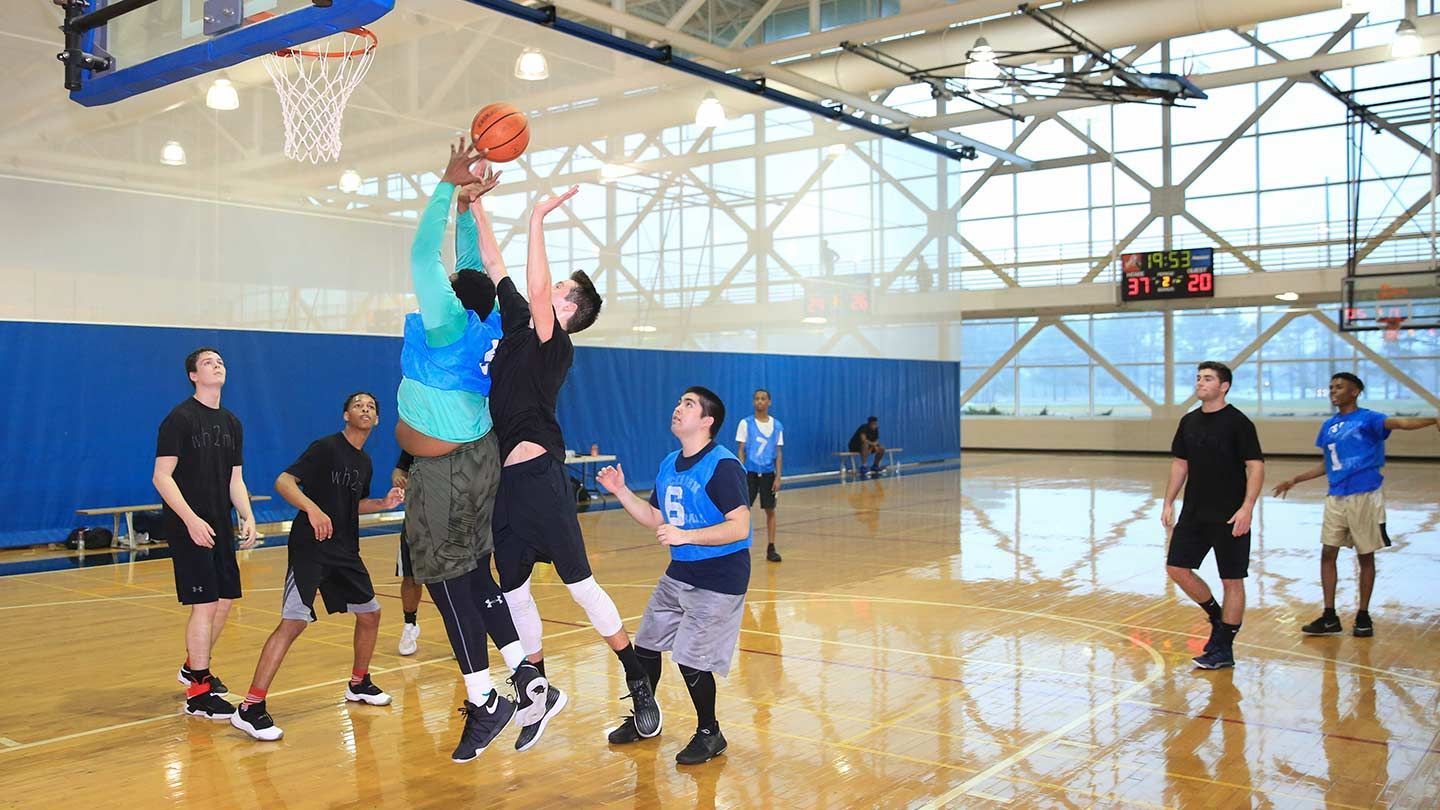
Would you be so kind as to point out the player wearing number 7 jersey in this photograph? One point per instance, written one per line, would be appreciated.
(1353, 443)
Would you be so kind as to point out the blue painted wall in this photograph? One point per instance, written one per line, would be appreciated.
(77, 428)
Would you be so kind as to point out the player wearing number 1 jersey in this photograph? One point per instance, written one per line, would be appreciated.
(1353, 444)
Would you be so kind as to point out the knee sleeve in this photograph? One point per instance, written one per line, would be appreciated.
(598, 606)
(526, 617)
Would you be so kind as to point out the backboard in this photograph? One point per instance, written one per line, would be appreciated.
(143, 46)
(1391, 301)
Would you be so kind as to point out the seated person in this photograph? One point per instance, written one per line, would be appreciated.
(866, 442)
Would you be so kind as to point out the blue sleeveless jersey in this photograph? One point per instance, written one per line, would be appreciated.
(759, 448)
(684, 503)
(461, 366)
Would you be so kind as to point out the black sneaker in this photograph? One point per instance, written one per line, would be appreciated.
(530, 687)
(186, 677)
(482, 725)
(1218, 658)
(647, 710)
(626, 733)
(366, 692)
(1323, 626)
(209, 706)
(772, 555)
(703, 747)
(256, 722)
(555, 700)
(1363, 627)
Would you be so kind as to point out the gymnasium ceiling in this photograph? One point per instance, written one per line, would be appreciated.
(440, 60)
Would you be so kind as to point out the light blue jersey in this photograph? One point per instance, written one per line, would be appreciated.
(684, 502)
(759, 448)
(1354, 448)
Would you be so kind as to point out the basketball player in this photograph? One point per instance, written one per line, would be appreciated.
(445, 424)
(700, 510)
(762, 463)
(328, 484)
(866, 441)
(198, 462)
(1217, 458)
(535, 515)
(1353, 444)
(409, 589)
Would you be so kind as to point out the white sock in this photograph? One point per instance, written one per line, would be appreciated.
(478, 685)
(513, 653)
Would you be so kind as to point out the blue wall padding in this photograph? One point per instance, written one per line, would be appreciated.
(78, 425)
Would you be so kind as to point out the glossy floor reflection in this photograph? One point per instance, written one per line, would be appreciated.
(1003, 635)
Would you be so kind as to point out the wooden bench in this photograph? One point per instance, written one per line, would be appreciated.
(129, 512)
(850, 462)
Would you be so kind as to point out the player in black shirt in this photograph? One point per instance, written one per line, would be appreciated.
(198, 459)
(866, 441)
(534, 519)
(1217, 458)
(328, 484)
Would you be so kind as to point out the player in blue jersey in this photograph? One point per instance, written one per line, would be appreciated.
(760, 440)
(699, 509)
(1353, 444)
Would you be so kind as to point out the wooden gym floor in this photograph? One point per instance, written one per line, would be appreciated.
(1001, 636)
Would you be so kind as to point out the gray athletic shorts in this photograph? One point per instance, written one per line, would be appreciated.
(700, 628)
(448, 502)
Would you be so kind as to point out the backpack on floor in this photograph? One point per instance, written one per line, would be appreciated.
(94, 538)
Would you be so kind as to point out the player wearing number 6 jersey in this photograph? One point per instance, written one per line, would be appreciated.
(1353, 444)
(701, 511)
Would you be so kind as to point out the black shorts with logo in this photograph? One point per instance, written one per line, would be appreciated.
(204, 575)
(535, 521)
(1191, 541)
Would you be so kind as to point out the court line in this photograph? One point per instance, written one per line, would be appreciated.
(174, 714)
(8, 743)
(109, 599)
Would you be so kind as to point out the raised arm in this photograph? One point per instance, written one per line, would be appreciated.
(440, 310)
(537, 266)
(613, 479)
(469, 253)
(1410, 422)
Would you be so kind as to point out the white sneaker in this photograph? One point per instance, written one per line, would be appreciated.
(409, 639)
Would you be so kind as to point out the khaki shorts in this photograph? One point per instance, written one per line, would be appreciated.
(1355, 521)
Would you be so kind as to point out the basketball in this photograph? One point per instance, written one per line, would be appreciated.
(503, 130)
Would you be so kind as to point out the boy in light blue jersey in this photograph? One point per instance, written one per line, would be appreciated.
(445, 425)
(699, 509)
(760, 445)
(1353, 444)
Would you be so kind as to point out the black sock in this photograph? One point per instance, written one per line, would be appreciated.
(1330, 613)
(540, 665)
(702, 693)
(1228, 633)
(1212, 609)
(410, 616)
(650, 662)
(1362, 617)
(628, 659)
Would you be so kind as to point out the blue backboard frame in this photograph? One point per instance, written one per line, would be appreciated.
(234, 47)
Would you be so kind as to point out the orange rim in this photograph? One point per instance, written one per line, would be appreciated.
(371, 42)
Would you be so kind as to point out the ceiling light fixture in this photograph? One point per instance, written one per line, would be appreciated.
(1406, 42)
(222, 95)
(531, 65)
(642, 327)
(172, 154)
(709, 113)
(815, 320)
(349, 181)
(1287, 296)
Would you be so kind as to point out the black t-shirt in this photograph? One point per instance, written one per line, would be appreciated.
(207, 443)
(873, 434)
(525, 378)
(1216, 447)
(728, 490)
(336, 476)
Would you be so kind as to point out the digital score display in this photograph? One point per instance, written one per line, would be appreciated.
(1164, 274)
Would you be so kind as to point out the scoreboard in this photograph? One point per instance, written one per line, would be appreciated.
(1166, 274)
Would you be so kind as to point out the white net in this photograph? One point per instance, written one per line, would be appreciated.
(314, 84)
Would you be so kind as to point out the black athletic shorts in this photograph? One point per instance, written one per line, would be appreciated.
(344, 586)
(204, 575)
(1190, 542)
(535, 521)
(762, 484)
(402, 561)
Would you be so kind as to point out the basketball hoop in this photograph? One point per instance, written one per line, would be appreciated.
(314, 83)
(1392, 327)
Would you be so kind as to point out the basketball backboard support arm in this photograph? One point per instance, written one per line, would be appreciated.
(94, 78)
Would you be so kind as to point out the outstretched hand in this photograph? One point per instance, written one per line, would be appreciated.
(462, 155)
(612, 479)
(1282, 488)
(545, 206)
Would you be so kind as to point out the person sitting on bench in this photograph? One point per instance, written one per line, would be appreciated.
(866, 442)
